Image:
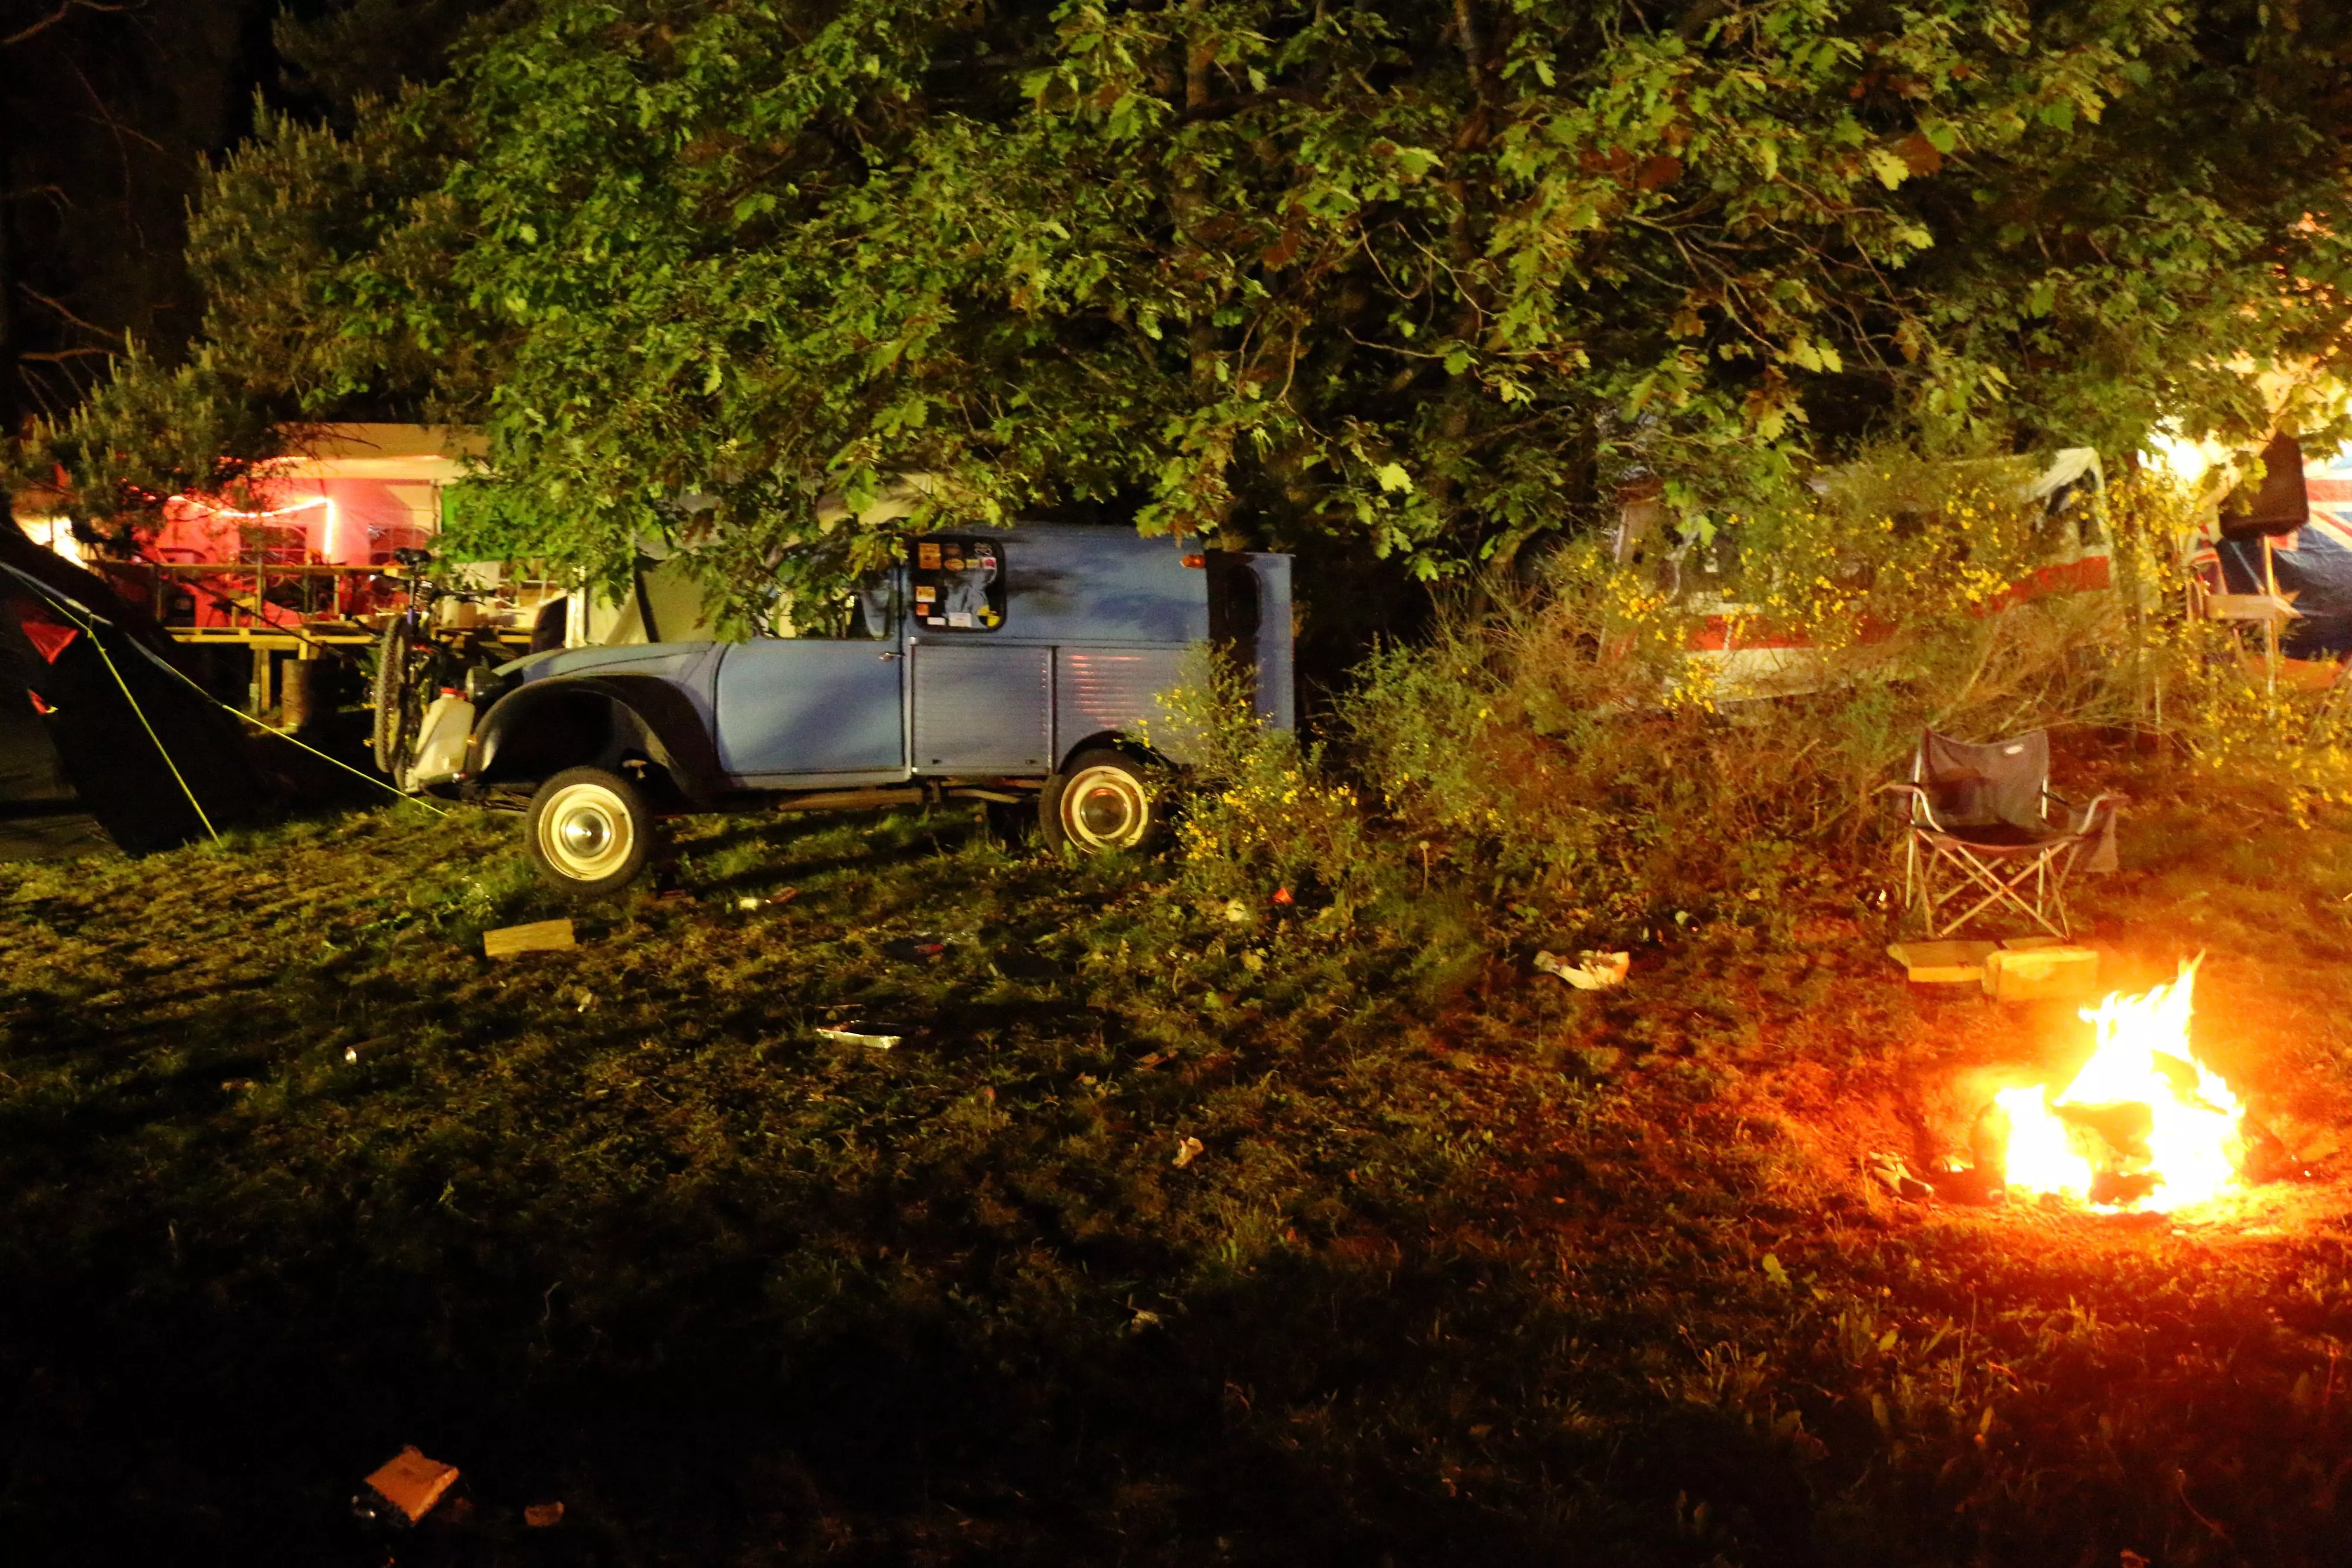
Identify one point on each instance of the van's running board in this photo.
(852, 800)
(902, 795)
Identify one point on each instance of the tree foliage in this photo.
(1434, 278)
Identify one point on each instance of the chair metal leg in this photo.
(1998, 891)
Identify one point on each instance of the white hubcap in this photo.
(1105, 808)
(585, 832)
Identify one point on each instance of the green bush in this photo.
(1575, 750)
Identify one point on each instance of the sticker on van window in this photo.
(959, 584)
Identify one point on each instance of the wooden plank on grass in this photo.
(539, 937)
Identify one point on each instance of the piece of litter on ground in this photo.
(1592, 971)
(1187, 1151)
(879, 1037)
(411, 1483)
(351, 1054)
(1889, 1171)
(1943, 963)
(747, 902)
(543, 1515)
(539, 937)
(913, 949)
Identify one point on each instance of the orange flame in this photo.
(2143, 1107)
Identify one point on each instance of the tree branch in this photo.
(65, 9)
(65, 311)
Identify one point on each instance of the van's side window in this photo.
(865, 612)
(959, 584)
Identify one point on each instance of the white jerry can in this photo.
(440, 743)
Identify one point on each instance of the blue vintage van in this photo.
(1018, 666)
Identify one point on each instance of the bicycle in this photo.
(425, 651)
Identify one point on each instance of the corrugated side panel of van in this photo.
(1099, 689)
(982, 707)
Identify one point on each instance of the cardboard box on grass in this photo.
(1943, 963)
(412, 1483)
(2059, 972)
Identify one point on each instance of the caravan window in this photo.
(959, 584)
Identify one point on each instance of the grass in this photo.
(1468, 1268)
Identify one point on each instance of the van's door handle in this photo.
(888, 655)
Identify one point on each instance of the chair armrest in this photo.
(2050, 797)
(1920, 801)
(2089, 818)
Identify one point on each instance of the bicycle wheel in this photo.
(394, 696)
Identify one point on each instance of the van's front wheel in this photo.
(590, 830)
(1100, 802)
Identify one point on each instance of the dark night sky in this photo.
(106, 110)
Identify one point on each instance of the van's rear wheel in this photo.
(1100, 802)
(589, 831)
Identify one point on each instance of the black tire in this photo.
(390, 692)
(1100, 803)
(589, 832)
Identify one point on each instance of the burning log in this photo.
(2144, 1124)
(2117, 1189)
(2269, 1159)
(2124, 1128)
(1978, 1185)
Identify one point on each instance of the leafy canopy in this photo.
(1428, 278)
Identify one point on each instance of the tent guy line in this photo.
(76, 614)
(78, 610)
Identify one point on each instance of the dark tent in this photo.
(2292, 535)
(100, 734)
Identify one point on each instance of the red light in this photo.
(1196, 561)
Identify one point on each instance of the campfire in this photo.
(2144, 1124)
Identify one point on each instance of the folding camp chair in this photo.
(1980, 829)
